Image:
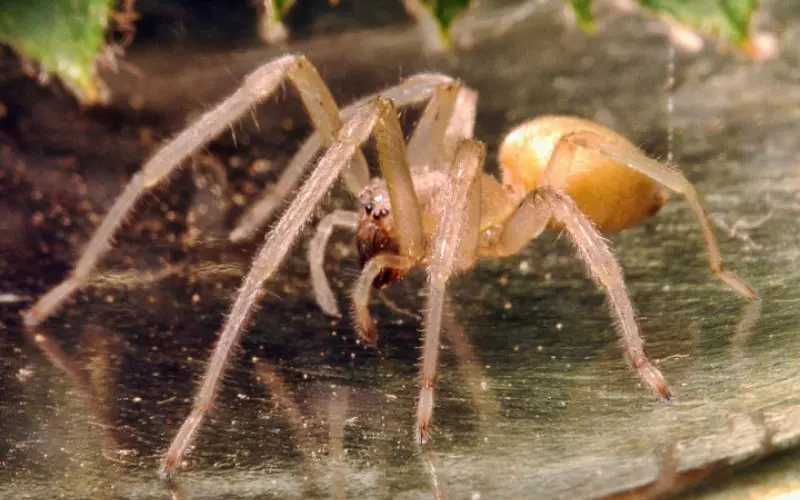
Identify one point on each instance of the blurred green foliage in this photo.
(727, 20)
(583, 12)
(446, 11)
(282, 7)
(63, 36)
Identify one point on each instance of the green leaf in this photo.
(281, 8)
(583, 12)
(63, 36)
(444, 13)
(725, 19)
(728, 20)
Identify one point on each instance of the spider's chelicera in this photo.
(375, 230)
(433, 207)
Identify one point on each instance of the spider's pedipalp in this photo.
(316, 257)
(380, 264)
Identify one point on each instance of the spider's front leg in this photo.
(258, 86)
(454, 245)
(375, 117)
(414, 90)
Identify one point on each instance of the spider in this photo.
(433, 207)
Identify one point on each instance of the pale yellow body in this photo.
(612, 195)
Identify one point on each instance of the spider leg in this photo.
(413, 90)
(316, 257)
(461, 125)
(407, 223)
(371, 118)
(453, 240)
(258, 213)
(661, 173)
(448, 118)
(258, 86)
(604, 269)
(525, 224)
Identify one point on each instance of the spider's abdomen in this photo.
(611, 194)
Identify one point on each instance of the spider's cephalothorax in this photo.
(375, 231)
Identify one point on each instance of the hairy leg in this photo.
(257, 214)
(605, 270)
(413, 90)
(258, 86)
(316, 257)
(458, 201)
(461, 125)
(524, 225)
(372, 117)
(428, 135)
(558, 168)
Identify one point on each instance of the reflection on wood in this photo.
(337, 419)
(470, 367)
(672, 481)
(82, 383)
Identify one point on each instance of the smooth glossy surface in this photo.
(550, 409)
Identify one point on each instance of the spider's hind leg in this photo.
(663, 174)
(604, 269)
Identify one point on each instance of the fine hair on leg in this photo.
(459, 202)
(257, 87)
(604, 269)
(557, 170)
(413, 90)
(372, 116)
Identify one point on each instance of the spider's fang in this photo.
(374, 237)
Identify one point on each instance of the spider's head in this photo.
(375, 233)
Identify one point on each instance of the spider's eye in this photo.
(368, 208)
